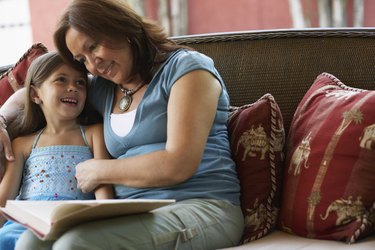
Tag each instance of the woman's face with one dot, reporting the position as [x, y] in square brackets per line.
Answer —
[112, 62]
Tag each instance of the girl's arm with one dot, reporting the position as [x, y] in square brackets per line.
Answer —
[191, 111]
[11, 181]
[104, 191]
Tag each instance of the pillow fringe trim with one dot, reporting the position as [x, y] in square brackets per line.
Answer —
[271, 214]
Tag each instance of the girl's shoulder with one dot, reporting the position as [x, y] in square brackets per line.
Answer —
[24, 143]
[93, 131]
[93, 128]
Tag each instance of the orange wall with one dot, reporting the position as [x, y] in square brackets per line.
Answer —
[223, 15]
[205, 16]
[44, 15]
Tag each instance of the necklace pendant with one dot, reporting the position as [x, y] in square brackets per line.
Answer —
[125, 103]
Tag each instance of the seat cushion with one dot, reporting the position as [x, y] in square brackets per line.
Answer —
[284, 241]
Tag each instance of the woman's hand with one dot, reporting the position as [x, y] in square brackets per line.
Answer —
[9, 111]
[86, 174]
[5, 148]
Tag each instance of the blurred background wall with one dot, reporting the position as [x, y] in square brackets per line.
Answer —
[23, 22]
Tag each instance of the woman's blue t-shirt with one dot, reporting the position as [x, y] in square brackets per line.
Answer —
[215, 177]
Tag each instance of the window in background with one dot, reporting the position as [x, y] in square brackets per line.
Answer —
[15, 30]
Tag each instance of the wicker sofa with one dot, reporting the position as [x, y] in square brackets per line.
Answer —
[285, 63]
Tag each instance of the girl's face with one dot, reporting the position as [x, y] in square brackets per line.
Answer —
[110, 62]
[62, 95]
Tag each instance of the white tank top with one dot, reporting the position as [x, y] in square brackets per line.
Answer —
[121, 124]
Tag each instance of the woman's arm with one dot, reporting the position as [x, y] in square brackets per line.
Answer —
[191, 111]
[104, 191]
[9, 111]
[11, 181]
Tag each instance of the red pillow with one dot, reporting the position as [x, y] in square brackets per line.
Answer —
[14, 78]
[329, 179]
[257, 139]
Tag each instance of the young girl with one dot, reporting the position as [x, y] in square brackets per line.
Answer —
[47, 152]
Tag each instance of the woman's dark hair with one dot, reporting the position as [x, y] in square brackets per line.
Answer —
[40, 69]
[115, 21]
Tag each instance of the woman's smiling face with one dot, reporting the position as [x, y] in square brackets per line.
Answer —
[103, 59]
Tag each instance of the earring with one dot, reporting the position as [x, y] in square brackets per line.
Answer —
[37, 101]
[127, 39]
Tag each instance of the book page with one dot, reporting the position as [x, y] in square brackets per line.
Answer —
[32, 214]
[40, 209]
[49, 219]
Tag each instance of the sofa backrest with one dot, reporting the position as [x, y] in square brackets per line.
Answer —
[286, 62]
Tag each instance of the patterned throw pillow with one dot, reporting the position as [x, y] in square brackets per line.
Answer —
[257, 139]
[14, 78]
[329, 179]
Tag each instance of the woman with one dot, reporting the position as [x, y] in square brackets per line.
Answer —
[164, 109]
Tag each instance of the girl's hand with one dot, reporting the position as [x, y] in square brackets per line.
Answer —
[86, 175]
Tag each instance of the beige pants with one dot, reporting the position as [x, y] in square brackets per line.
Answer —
[190, 224]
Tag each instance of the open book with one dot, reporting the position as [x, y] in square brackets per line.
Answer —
[49, 219]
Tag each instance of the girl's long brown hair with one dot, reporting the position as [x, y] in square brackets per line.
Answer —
[40, 69]
[115, 21]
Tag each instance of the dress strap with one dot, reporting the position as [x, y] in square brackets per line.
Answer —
[83, 136]
[37, 137]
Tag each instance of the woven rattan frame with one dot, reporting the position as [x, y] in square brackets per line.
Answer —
[286, 62]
